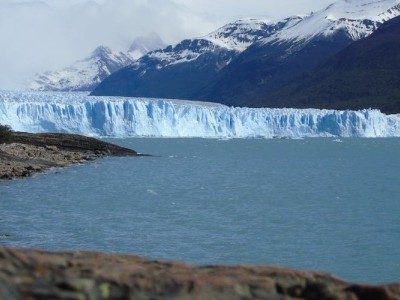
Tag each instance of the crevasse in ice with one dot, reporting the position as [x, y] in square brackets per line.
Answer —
[130, 117]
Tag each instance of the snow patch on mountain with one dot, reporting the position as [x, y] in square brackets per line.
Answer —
[241, 34]
[185, 51]
[86, 74]
[125, 117]
[358, 18]
[83, 75]
[234, 37]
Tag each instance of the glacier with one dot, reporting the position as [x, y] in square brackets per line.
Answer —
[79, 113]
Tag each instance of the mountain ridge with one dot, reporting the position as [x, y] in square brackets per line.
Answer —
[363, 75]
[273, 62]
[247, 76]
[247, 62]
[86, 74]
[175, 71]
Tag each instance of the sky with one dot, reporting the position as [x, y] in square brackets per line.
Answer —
[41, 35]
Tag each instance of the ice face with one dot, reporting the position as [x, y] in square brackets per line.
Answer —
[132, 117]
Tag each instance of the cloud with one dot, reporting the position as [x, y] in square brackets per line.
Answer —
[40, 35]
[229, 10]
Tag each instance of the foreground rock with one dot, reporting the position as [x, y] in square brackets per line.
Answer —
[28, 274]
[30, 153]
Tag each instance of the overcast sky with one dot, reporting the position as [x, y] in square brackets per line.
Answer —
[39, 35]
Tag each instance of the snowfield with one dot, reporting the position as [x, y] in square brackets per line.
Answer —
[138, 117]
[358, 18]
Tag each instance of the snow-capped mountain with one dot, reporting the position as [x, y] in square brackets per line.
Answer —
[241, 34]
[273, 62]
[234, 37]
[356, 18]
[176, 71]
[362, 75]
[144, 44]
[86, 74]
[244, 62]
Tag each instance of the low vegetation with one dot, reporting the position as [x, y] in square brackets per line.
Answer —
[5, 134]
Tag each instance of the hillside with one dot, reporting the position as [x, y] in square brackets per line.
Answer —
[365, 74]
[83, 75]
[177, 71]
[246, 63]
[272, 63]
[86, 74]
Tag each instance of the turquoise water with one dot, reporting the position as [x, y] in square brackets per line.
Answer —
[308, 204]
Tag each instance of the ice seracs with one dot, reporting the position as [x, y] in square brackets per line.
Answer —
[132, 117]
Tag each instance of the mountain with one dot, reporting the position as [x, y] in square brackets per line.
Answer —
[244, 63]
[273, 62]
[86, 74]
[83, 75]
[176, 71]
[363, 75]
[144, 44]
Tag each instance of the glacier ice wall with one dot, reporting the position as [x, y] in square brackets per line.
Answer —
[126, 117]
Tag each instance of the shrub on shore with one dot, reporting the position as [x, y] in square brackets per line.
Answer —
[5, 134]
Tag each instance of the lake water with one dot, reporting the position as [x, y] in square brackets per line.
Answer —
[313, 204]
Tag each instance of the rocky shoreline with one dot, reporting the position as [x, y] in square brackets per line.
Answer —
[30, 274]
[27, 153]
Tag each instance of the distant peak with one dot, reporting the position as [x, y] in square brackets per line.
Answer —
[146, 43]
[251, 20]
[100, 51]
[240, 34]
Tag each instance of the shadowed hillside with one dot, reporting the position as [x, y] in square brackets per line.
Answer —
[364, 75]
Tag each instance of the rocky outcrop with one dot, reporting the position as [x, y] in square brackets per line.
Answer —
[31, 153]
[28, 274]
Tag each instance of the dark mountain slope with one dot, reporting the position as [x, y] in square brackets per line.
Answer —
[149, 78]
[272, 63]
[247, 63]
[365, 74]
[264, 68]
[177, 71]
